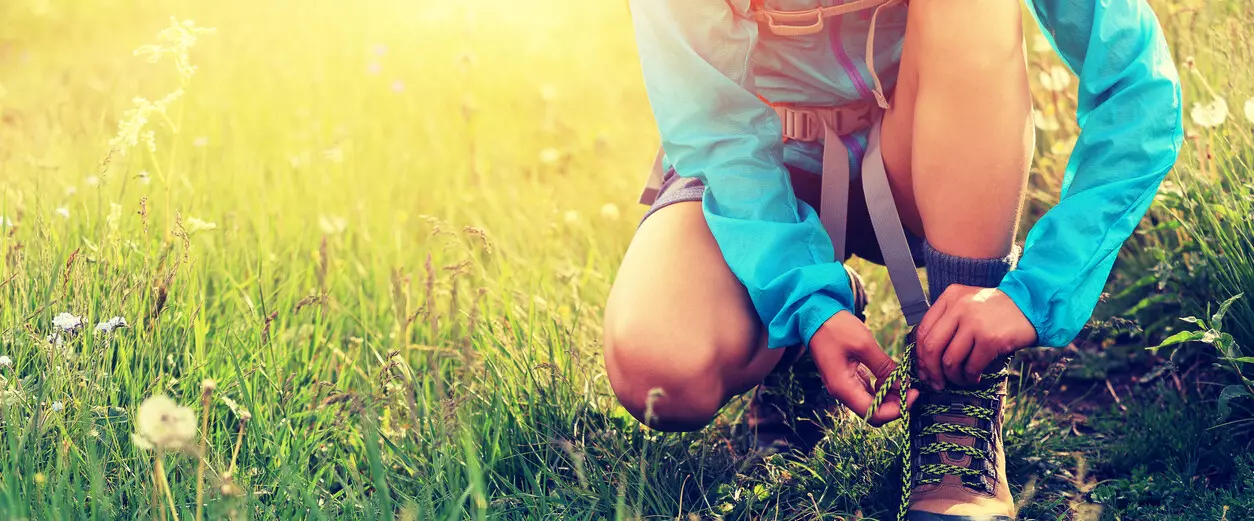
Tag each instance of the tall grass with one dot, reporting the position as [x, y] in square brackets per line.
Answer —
[385, 231]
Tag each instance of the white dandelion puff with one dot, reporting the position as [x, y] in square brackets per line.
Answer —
[108, 326]
[334, 154]
[332, 224]
[57, 406]
[548, 93]
[193, 225]
[1040, 44]
[67, 322]
[5, 361]
[1056, 79]
[63, 212]
[1210, 115]
[550, 156]
[164, 425]
[1249, 110]
[609, 211]
[1045, 122]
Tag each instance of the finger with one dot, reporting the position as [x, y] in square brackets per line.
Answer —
[867, 379]
[931, 348]
[845, 386]
[955, 358]
[982, 355]
[930, 318]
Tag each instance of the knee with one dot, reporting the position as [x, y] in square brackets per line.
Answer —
[667, 382]
[968, 39]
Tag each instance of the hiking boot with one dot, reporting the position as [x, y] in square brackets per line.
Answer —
[791, 409]
[957, 463]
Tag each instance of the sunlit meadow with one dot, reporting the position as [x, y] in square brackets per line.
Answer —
[347, 261]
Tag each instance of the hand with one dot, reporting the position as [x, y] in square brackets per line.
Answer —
[966, 329]
[843, 348]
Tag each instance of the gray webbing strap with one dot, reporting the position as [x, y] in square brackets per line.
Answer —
[889, 232]
[834, 197]
[653, 184]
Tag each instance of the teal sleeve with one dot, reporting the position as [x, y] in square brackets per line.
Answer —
[696, 57]
[1130, 114]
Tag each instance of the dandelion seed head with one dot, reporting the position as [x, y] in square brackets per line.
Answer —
[332, 224]
[108, 326]
[609, 211]
[550, 156]
[1044, 122]
[193, 225]
[164, 425]
[5, 361]
[334, 154]
[63, 212]
[1056, 79]
[67, 322]
[1040, 44]
[1210, 115]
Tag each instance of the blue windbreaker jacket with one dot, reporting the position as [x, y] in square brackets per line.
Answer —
[705, 64]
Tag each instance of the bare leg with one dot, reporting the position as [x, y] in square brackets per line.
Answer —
[958, 140]
[957, 144]
[678, 320]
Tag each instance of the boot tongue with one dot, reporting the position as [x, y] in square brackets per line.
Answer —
[954, 433]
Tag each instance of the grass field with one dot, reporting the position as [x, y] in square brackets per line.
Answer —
[385, 233]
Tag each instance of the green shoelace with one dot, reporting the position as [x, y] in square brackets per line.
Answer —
[902, 378]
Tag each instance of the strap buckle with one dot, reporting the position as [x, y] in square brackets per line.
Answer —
[807, 123]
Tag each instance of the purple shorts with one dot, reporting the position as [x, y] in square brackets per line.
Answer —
[859, 235]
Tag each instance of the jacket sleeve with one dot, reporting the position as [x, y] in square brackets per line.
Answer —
[1130, 114]
[696, 59]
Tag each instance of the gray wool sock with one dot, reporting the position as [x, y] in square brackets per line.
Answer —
[944, 269]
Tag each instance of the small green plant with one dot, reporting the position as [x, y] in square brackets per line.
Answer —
[1229, 354]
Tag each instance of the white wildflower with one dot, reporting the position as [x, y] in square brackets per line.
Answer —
[193, 225]
[67, 322]
[1047, 123]
[93, 433]
[1249, 109]
[108, 326]
[238, 409]
[332, 224]
[1056, 79]
[5, 222]
[1210, 115]
[57, 406]
[334, 154]
[572, 217]
[144, 178]
[609, 211]
[164, 425]
[11, 397]
[1040, 44]
[63, 212]
[548, 93]
[5, 361]
[550, 156]
[55, 339]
